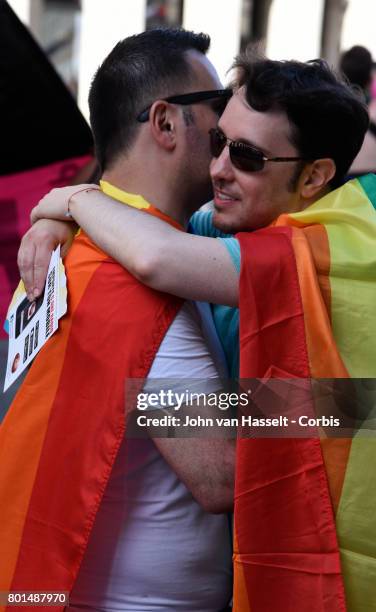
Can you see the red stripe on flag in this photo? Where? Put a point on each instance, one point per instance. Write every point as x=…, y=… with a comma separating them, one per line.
x=285, y=531
x=116, y=331
x=273, y=332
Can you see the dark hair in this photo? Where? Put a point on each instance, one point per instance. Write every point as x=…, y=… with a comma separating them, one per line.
x=139, y=70
x=356, y=65
x=327, y=117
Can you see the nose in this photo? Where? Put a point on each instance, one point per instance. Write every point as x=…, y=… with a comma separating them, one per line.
x=221, y=167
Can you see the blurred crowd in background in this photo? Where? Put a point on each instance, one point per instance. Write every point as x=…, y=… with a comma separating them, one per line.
x=77, y=34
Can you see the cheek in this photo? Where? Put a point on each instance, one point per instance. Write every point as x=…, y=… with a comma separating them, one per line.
x=257, y=205
x=204, y=167
x=252, y=189
x=198, y=152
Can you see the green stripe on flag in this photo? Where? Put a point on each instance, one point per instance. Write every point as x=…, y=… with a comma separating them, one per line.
x=368, y=182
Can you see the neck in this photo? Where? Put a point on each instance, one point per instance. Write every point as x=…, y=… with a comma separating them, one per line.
x=150, y=185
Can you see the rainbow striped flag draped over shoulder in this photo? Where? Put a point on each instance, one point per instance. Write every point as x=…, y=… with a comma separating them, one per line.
x=60, y=437
x=305, y=518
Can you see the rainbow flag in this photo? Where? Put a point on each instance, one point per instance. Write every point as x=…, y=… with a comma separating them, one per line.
x=305, y=526
x=61, y=435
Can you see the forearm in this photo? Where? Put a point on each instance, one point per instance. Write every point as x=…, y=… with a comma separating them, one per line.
x=159, y=255
x=126, y=234
x=207, y=468
x=156, y=253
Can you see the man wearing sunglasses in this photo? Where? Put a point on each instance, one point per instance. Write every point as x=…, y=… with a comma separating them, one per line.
x=281, y=148
x=274, y=151
x=152, y=546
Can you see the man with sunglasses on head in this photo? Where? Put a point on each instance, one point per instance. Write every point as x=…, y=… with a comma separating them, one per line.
x=160, y=538
x=274, y=151
x=280, y=153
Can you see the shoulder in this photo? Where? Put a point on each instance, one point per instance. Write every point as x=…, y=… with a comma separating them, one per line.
x=233, y=247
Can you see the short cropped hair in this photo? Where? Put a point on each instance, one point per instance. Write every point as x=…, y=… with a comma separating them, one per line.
x=328, y=118
x=139, y=70
x=356, y=65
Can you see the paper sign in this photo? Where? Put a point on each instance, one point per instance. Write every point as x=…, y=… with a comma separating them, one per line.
x=31, y=324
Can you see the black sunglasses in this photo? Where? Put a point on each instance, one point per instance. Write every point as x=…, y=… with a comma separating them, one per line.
x=243, y=156
x=223, y=95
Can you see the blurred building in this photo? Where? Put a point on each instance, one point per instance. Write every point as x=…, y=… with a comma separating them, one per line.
x=77, y=34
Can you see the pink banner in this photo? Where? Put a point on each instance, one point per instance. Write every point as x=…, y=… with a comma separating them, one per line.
x=18, y=194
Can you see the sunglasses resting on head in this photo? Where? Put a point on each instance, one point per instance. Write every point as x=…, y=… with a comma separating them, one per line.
x=220, y=95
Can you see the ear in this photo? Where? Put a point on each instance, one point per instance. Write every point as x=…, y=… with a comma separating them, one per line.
x=316, y=176
x=162, y=122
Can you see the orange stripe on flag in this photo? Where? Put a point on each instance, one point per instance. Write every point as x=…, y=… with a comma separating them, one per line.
x=21, y=424
x=336, y=452
x=312, y=254
x=324, y=358
x=241, y=600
